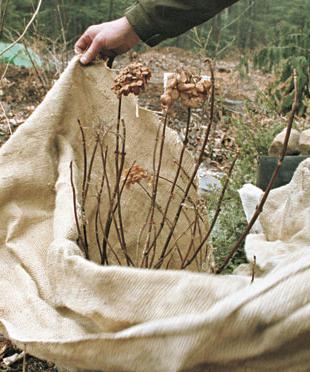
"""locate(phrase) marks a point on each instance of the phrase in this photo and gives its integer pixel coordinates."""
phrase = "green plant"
(283, 89)
(287, 50)
(254, 133)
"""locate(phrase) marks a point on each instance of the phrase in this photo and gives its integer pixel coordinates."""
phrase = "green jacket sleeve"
(157, 20)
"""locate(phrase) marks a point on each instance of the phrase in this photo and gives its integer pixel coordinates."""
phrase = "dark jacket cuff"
(144, 26)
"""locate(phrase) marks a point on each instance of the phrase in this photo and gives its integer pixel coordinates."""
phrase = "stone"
(304, 142)
(293, 144)
(209, 181)
(302, 125)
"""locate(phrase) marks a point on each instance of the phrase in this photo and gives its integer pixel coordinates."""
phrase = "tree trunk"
(3, 9)
(111, 6)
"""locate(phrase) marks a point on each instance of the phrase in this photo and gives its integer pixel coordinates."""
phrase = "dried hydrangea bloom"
(190, 89)
(136, 174)
(131, 79)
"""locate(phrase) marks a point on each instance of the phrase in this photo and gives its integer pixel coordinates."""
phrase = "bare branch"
(77, 223)
(25, 30)
(6, 118)
(253, 269)
(216, 215)
(260, 206)
(176, 177)
(198, 163)
(155, 189)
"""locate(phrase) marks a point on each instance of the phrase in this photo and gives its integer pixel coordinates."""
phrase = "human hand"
(112, 38)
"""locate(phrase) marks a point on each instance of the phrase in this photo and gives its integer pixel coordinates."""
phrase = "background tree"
(275, 32)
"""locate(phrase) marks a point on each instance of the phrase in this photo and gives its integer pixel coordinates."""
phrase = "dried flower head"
(190, 89)
(131, 79)
(135, 174)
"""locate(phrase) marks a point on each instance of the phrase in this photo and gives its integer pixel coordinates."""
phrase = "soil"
(32, 364)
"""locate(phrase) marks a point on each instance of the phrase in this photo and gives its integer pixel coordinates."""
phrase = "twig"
(140, 238)
(192, 240)
(75, 208)
(111, 217)
(118, 205)
(105, 260)
(63, 34)
(148, 219)
(117, 137)
(3, 11)
(6, 118)
(43, 83)
(253, 269)
(85, 172)
(91, 163)
(97, 215)
(174, 183)
(25, 30)
(179, 238)
(125, 181)
(182, 190)
(105, 174)
(114, 206)
(104, 257)
(188, 178)
(154, 250)
(216, 215)
(198, 163)
(84, 160)
(5, 71)
(260, 206)
(155, 187)
(103, 250)
(24, 360)
(160, 211)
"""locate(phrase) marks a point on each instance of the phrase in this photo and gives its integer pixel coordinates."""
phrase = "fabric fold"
(79, 314)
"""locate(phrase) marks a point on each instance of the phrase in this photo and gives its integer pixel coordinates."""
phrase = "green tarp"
(18, 56)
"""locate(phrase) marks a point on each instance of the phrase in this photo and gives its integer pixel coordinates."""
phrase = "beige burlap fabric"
(78, 314)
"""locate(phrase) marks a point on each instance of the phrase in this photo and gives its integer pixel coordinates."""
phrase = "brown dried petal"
(174, 94)
(183, 77)
(182, 87)
(194, 102)
(135, 90)
(207, 85)
(172, 82)
(184, 96)
(200, 87)
(166, 100)
(194, 92)
(131, 79)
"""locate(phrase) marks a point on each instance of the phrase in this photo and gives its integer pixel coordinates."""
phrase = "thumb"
(91, 52)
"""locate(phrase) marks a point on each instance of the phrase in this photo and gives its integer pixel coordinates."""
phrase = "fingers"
(82, 44)
(91, 52)
(113, 38)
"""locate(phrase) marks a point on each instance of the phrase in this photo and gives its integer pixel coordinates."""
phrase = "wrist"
(132, 38)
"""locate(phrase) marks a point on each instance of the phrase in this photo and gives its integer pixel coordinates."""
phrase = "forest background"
(274, 35)
(247, 25)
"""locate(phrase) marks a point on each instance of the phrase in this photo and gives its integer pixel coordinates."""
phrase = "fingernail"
(83, 60)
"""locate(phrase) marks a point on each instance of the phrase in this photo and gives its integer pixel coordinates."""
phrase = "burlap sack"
(62, 308)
